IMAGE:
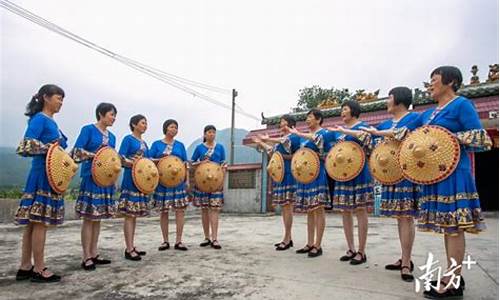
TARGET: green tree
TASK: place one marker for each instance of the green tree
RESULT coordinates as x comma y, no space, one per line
310,97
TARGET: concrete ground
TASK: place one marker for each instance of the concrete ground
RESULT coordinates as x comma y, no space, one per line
246,267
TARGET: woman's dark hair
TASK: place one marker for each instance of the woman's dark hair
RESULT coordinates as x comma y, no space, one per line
36,103
318,115
449,74
103,108
402,95
168,123
206,129
354,106
289,120
135,120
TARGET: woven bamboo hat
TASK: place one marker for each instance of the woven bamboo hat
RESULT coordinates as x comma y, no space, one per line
429,155
145,175
106,167
345,161
276,167
305,165
60,168
172,171
209,177
384,164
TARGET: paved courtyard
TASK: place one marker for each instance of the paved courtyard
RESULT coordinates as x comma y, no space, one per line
247,266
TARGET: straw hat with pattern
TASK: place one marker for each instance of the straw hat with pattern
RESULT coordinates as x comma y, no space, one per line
305,165
345,161
106,167
60,168
384,164
145,175
209,177
429,154
172,171
276,167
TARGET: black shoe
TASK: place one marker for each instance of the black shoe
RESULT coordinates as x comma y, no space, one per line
164,246
395,267
178,246
100,261
306,249
129,256
24,274
38,277
348,256
355,261
215,244
451,293
406,277
283,246
141,253
206,242
277,244
319,252
90,267
462,282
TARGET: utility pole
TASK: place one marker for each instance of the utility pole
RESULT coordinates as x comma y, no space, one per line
231,155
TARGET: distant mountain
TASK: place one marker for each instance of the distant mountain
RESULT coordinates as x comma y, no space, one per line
242,154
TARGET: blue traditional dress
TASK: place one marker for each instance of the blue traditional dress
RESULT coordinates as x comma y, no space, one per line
315,194
39,202
166,197
400,199
284,191
132,202
94,202
215,154
357,192
452,204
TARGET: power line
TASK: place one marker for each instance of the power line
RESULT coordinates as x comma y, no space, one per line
171,79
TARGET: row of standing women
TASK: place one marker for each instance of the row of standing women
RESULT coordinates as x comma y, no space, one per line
449,207
41,206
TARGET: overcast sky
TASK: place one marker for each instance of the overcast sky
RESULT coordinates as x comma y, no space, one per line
267,50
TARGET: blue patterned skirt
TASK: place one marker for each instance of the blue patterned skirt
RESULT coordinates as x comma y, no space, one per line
39,203
284,191
208,200
451,205
95,202
355,193
399,200
313,195
165,198
132,202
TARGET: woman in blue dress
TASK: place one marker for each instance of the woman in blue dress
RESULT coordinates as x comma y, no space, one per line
210,203
400,200
314,197
451,207
40,205
355,195
132,202
284,191
166,198
94,203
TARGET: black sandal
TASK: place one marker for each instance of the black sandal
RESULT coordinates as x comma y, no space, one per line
141,253
24,274
164,246
348,256
206,242
318,252
100,261
407,277
178,246
306,249
38,277
128,255
86,267
395,267
355,261
450,293
216,246
462,282
283,246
